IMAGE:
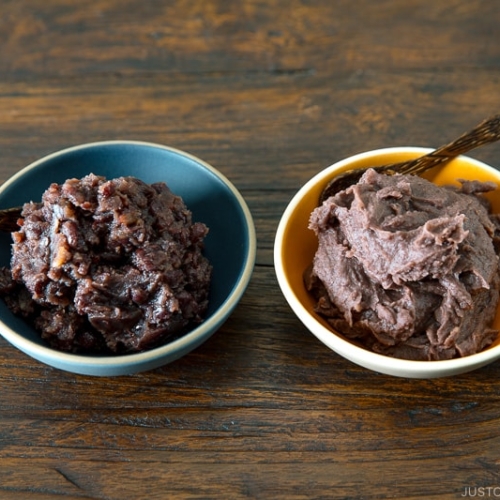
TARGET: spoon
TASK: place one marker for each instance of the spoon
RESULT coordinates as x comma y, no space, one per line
9,218
486,132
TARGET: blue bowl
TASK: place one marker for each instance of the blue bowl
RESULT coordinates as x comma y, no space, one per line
230,245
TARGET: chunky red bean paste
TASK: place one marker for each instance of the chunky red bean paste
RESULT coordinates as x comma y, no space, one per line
108,266
406,268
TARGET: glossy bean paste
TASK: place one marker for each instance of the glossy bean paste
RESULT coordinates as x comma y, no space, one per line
108,266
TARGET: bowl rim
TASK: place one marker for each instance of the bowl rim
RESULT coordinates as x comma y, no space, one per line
183,343
356,354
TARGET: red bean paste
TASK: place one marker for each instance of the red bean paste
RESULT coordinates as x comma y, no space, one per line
108,266
406,268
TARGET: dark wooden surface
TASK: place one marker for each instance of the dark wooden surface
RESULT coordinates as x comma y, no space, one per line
269,93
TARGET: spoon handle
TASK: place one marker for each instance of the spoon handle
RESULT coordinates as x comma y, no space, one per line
9,218
486,132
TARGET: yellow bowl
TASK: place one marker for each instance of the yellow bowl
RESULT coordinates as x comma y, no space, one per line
295,246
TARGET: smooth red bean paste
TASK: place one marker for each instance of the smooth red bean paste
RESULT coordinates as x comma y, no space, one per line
406,268
108,266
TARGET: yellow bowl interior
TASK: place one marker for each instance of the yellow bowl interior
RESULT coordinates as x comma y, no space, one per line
300,243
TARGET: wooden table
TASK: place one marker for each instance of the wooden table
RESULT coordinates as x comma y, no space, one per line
269,93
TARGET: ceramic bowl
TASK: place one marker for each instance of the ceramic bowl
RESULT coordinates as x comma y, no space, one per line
295,246
212,199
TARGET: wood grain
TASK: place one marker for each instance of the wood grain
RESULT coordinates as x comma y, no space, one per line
269,93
